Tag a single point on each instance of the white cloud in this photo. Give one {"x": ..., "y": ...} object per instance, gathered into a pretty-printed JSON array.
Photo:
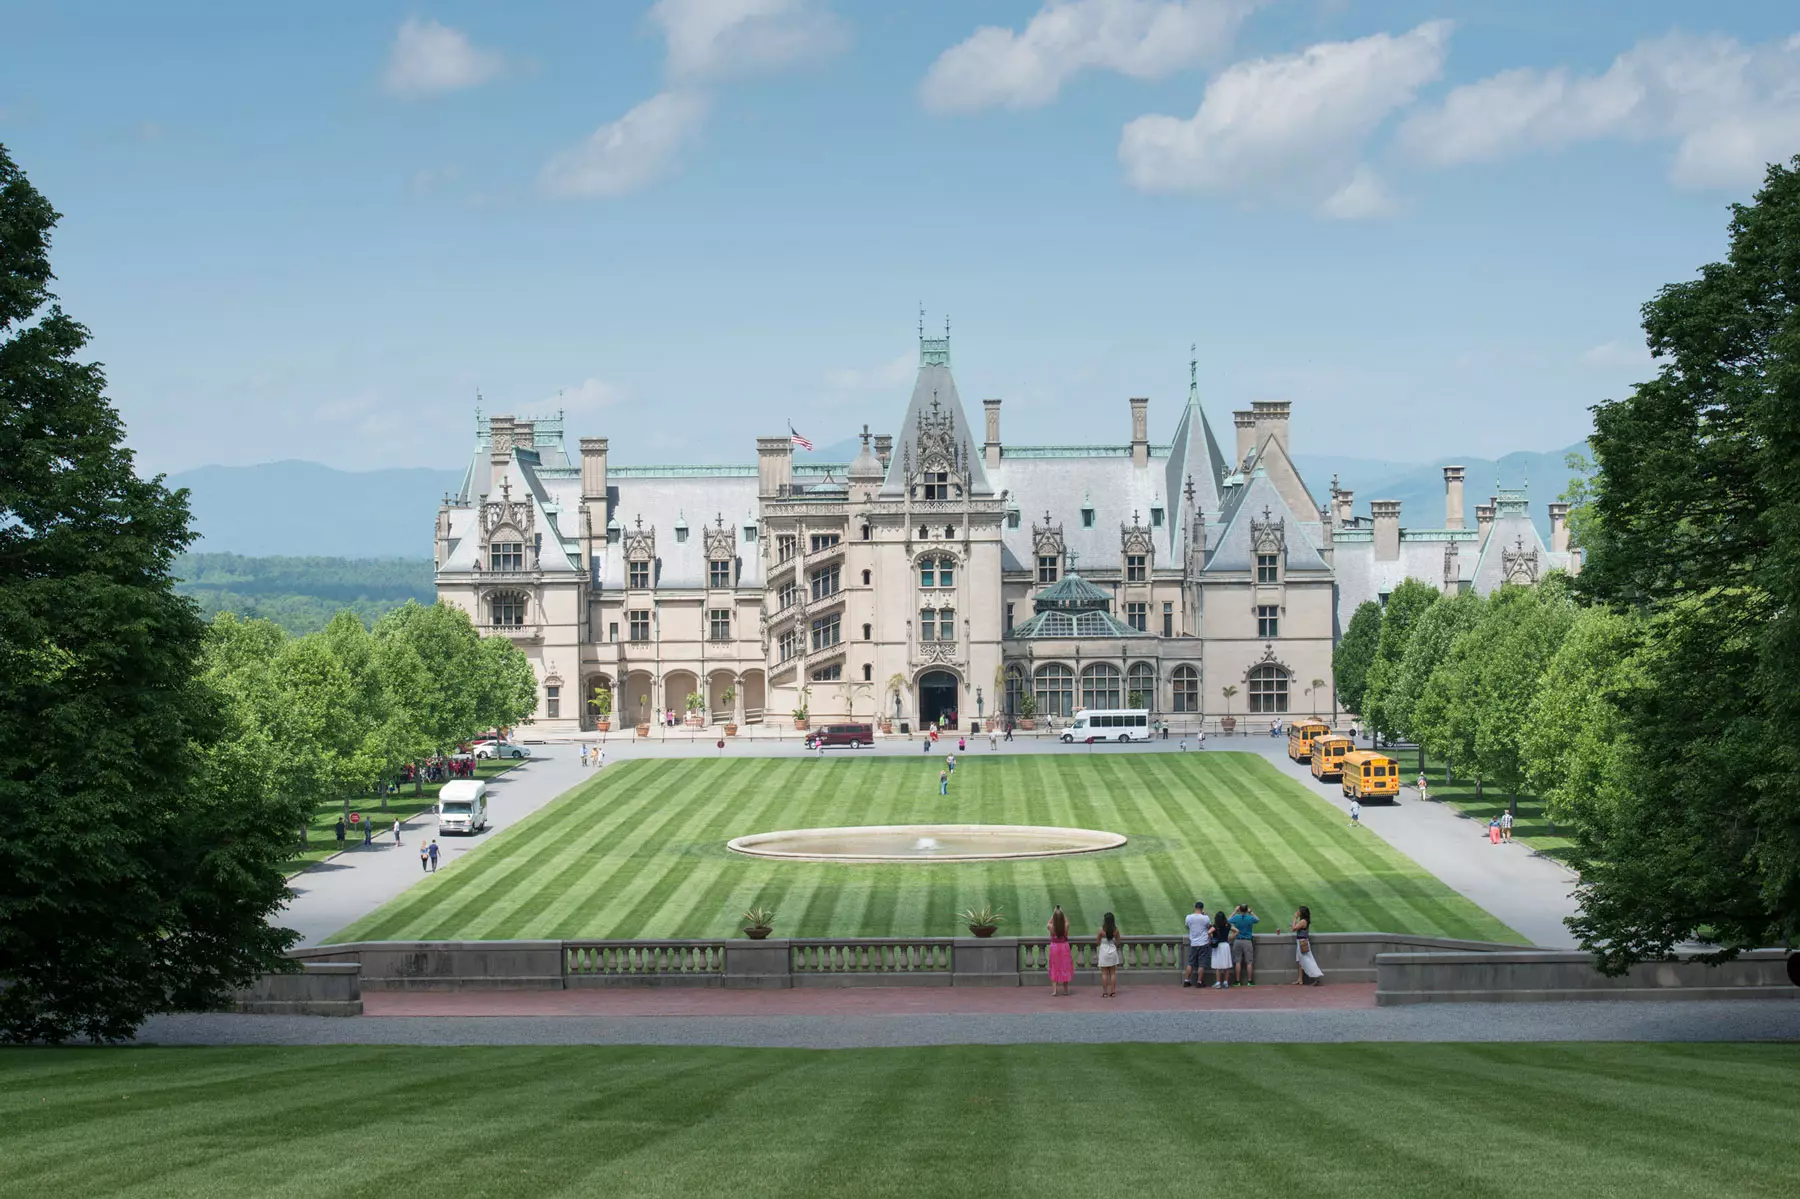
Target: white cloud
[
  {"x": 720, "y": 39},
  {"x": 624, "y": 155},
  {"x": 1146, "y": 39},
  {"x": 1289, "y": 129},
  {"x": 888, "y": 374},
  {"x": 589, "y": 395},
  {"x": 1729, "y": 108},
  {"x": 429, "y": 58}
]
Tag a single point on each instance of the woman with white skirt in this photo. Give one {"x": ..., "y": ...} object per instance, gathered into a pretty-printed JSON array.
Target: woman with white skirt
[
  {"x": 1108, "y": 956},
  {"x": 1222, "y": 933},
  {"x": 1309, "y": 972}
]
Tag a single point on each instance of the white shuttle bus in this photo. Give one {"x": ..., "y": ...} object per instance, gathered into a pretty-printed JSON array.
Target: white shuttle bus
[{"x": 1109, "y": 724}]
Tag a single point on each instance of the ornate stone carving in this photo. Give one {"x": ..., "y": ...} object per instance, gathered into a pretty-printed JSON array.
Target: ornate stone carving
[
  {"x": 1452, "y": 568},
  {"x": 1046, "y": 539},
  {"x": 1269, "y": 659},
  {"x": 1268, "y": 535},
  {"x": 941, "y": 653},
  {"x": 937, "y": 440},
  {"x": 1134, "y": 538},
  {"x": 640, "y": 543},
  {"x": 505, "y": 512},
  {"x": 1519, "y": 565},
  {"x": 721, "y": 541}
]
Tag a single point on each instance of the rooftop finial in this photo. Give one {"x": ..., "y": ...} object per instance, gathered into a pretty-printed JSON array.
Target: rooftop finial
[
  {"x": 921, "y": 320},
  {"x": 1193, "y": 368}
]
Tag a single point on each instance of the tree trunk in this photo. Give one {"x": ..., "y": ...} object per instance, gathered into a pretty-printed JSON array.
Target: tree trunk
[{"x": 1477, "y": 786}]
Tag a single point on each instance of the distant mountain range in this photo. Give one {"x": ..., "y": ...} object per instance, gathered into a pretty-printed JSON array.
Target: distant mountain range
[{"x": 302, "y": 509}]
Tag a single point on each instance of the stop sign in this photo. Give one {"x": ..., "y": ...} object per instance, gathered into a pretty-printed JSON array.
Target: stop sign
[{"x": 355, "y": 816}]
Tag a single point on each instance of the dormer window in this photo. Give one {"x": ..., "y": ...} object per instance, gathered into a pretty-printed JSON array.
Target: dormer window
[
  {"x": 506, "y": 555},
  {"x": 937, "y": 484},
  {"x": 1156, "y": 518},
  {"x": 1268, "y": 568},
  {"x": 1047, "y": 568},
  {"x": 1012, "y": 519},
  {"x": 639, "y": 576},
  {"x": 719, "y": 573},
  {"x": 1135, "y": 568},
  {"x": 1087, "y": 517},
  {"x": 749, "y": 533}
]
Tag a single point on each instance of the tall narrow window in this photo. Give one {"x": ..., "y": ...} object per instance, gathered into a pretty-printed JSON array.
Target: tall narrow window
[
  {"x": 1156, "y": 518},
  {"x": 1268, "y": 568},
  {"x": 868, "y": 672},
  {"x": 719, "y": 573},
  {"x": 788, "y": 645},
  {"x": 1009, "y": 622},
  {"x": 946, "y": 624},
  {"x": 718, "y": 623},
  {"x": 1268, "y": 620},
  {"x": 638, "y": 578},
  {"x": 552, "y": 701},
  {"x": 1168, "y": 618},
  {"x": 1087, "y": 518},
  {"x": 865, "y": 578},
  {"x": 868, "y": 632},
  {"x": 1135, "y": 569},
  {"x": 1135, "y": 616},
  {"x": 1185, "y": 687},
  {"x": 1046, "y": 568},
  {"x": 639, "y": 624},
  {"x": 946, "y": 572},
  {"x": 927, "y": 624}
]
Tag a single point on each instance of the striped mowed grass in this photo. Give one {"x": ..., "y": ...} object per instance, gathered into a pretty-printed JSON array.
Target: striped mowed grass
[{"x": 639, "y": 852}]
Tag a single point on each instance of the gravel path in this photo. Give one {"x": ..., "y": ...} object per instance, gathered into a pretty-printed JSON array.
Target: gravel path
[{"x": 1745, "y": 1020}]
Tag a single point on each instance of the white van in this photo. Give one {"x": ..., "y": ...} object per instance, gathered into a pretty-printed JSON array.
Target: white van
[
  {"x": 462, "y": 806},
  {"x": 1123, "y": 724}
]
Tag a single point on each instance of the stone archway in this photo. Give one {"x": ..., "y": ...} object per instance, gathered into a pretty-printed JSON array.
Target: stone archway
[
  {"x": 635, "y": 702},
  {"x": 677, "y": 686},
  {"x": 753, "y": 695},
  {"x": 940, "y": 696},
  {"x": 589, "y": 685},
  {"x": 718, "y": 707}
]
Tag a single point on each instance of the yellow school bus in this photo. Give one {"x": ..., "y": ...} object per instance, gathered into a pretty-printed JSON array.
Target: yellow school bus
[
  {"x": 1300, "y": 738},
  {"x": 1368, "y": 775},
  {"x": 1327, "y": 753}
]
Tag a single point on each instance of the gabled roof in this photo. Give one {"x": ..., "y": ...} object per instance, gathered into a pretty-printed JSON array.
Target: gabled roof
[
  {"x": 1235, "y": 549},
  {"x": 934, "y": 398},
  {"x": 1193, "y": 455}
]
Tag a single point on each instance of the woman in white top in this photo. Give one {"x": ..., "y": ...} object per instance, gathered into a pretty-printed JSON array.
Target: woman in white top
[
  {"x": 1222, "y": 933},
  {"x": 1109, "y": 956}
]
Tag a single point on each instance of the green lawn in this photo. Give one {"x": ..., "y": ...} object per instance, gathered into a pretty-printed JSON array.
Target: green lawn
[
  {"x": 640, "y": 852},
  {"x": 321, "y": 832},
  {"x": 1036, "y": 1121}
]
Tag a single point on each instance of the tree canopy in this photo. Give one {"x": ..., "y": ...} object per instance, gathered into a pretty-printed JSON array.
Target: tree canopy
[
  {"x": 1355, "y": 652},
  {"x": 1405, "y": 606}
]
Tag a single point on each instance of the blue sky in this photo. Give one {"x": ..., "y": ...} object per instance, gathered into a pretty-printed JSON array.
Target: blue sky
[{"x": 315, "y": 231}]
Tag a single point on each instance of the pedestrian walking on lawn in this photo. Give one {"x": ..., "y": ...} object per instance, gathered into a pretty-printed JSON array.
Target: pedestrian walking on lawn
[
  {"x": 1355, "y": 814},
  {"x": 951, "y": 763},
  {"x": 943, "y": 782},
  {"x": 1062, "y": 961},
  {"x": 1506, "y": 821},
  {"x": 434, "y": 857},
  {"x": 1222, "y": 932},
  {"x": 424, "y": 858},
  {"x": 396, "y": 832},
  {"x": 1243, "y": 946},
  {"x": 340, "y": 832},
  {"x": 1109, "y": 956},
  {"x": 1309, "y": 973},
  {"x": 1199, "y": 941}
]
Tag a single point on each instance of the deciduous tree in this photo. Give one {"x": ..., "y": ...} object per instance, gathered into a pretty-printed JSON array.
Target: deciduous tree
[
  {"x": 1406, "y": 604},
  {"x": 1355, "y": 652}
]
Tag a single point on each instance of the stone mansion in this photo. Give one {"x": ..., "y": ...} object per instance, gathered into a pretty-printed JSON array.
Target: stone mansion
[{"x": 944, "y": 573}]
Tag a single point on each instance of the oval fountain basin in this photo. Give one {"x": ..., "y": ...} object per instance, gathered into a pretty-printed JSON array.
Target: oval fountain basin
[{"x": 924, "y": 843}]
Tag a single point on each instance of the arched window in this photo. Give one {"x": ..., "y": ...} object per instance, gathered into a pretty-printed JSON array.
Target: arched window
[
  {"x": 1054, "y": 685},
  {"x": 865, "y": 531},
  {"x": 865, "y": 578},
  {"x": 1100, "y": 686},
  {"x": 1268, "y": 689},
  {"x": 1186, "y": 684},
  {"x": 507, "y": 608},
  {"x": 1015, "y": 689},
  {"x": 1140, "y": 686}
]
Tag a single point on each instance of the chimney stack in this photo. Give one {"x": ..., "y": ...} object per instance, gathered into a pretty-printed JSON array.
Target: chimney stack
[
  {"x": 1246, "y": 436},
  {"x": 524, "y": 434},
  {"x": 1387, "y": 530},
  {"x": 774, "y": 465},
  {"x": 1484, "y": 521},
  {"x": 1453, "y": 497},
  {"x": 593, "y": 473},
  {"x": 1272, "y": 421},
  {"x": 500, "y": 440},
  {"x": 990, "y": 451},
  {"x": 884, "y": 448},
  {"x": 1559, "y": 528},
  {"x": 1346, "y": 505},
  {"x": 1140, "y": 431}
]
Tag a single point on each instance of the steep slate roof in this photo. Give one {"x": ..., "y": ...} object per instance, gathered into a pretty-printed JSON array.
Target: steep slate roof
[
  {"x": 1234, "y": 550},
  {"x": 1194, "y": 454},
  {"x": 934, "y": 385}
]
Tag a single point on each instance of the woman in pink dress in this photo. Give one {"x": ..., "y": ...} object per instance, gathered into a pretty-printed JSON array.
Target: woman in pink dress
[{"x": 1062, "y": 962}]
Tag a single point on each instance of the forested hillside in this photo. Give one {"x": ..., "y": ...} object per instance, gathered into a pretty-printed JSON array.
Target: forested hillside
[{"x": 302, "y": 594}]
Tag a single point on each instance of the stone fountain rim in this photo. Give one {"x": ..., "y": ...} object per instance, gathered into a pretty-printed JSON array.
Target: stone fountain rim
[{"x": 1100, "y": 840}]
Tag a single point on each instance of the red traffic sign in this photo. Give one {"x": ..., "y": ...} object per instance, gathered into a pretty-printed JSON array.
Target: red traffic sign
[{"x": 355, "y": 816}]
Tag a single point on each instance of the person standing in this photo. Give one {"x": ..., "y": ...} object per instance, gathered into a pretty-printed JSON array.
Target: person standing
[
  {"x": 368, "y": 832},
  {"x": 1199, "y": 941},
  {"x": 340, "y": 832},
  {"x": 926, "y": 744},
  {"x": 1109, "y": 956},
  {"x": 424, "y": 858},
  {"x": 1506, "y": 823},
  {"x": 1009, "y": 728},
  {"x": 962, "y": 745},
  {"x": 950, "y": 761},
  {"x": 397, "y": 832},
  {"x": 1222, "y": 932},
  {"x": 943, "y": 782},
  {"x": 1062, "y": 961},
  {"x": 1243, "y": 946},
  {"x": 1355, "y": 814},
  {"x": 600, "y": 759},
  {"x": 434, "y": 857},
  {"x": 993, "y": 739},
  {"x": 584, "y": 757},
  {"x": 1309, "y": 973}
]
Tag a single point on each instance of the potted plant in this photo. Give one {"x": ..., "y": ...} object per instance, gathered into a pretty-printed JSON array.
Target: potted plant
[
  {"x": 728, "y": 702},
  {"x": 800, "y": 712},
  {"x": 759, "y": 923},
  {"x": 1229, "y": 722},
  {"x": 1027, "y": 710},
  {"x": 602, "y": 705},
  {"x": 696, "y": 709},
  {"x": 983, "y": 921},
  {"x": 643, "y": 724}
]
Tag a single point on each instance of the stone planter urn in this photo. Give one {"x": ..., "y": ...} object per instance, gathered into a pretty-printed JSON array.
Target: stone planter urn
[
  {"x": 1228, "y": 725},
  {"x": 603, "y": 726},
  {"x": 1027, "y": 723},
  {"x": 984, "y": 930},
  {"x": 800, "y": 724},
  {"x": 643, "y": 730},
  {"x": 730, "y": 730},
  {"x": 757, "y": 934}
]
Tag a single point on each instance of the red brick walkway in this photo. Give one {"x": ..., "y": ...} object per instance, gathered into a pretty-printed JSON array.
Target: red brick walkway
[{"x": 862, "y": 1001}]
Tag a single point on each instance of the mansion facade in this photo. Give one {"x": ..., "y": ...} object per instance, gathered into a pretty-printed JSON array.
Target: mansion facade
[{"x": 944, "y": 574}]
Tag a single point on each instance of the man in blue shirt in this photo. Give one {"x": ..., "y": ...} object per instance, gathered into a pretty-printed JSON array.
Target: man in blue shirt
[{"x": 1243, "y": 950}]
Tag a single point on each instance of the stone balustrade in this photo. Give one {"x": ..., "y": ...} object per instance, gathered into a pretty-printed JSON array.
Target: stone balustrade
[{"x": 605, "y": 963}]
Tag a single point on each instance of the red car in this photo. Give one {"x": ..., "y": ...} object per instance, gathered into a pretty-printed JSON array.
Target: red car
[{"x": 842, "y": 734}]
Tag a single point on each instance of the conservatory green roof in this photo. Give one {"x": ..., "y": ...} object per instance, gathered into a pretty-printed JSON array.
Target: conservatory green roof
[{"x": 1073, "y": 607}]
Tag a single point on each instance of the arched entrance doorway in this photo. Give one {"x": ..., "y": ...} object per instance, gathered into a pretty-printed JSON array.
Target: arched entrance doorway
[{"x": 937, "y": 697}]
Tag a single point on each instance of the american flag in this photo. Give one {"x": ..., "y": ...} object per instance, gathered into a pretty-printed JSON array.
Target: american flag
[{"x": 798, "y": 440}]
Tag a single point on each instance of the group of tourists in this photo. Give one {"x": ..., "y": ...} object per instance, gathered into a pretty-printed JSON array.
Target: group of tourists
[
  {"x": 439, "y": 769},
  {"x": 1225, "y": 944},
  {"x": 593, "y": 755}
]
